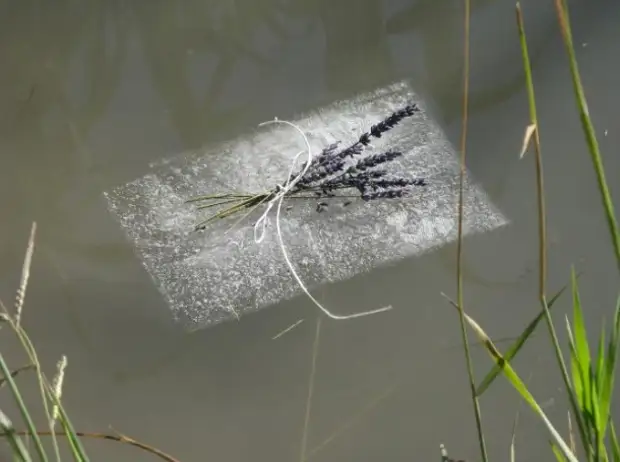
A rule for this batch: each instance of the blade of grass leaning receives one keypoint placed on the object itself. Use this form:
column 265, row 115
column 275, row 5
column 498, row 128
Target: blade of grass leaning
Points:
column 579, row 327
column 32, row 355
column 599, row 445
column 587, row 126
column 77, row 449
column 44, row 386
column 542, row 226
column 601, row 370
column 459, row 245
column 46, row 390
column 579, row 387
column 519, row 386
column 557, row 452
column 18, row 448
column 607, row 384
column 19, row 331
column 516, row 346
column 571, row 433
column 513, row 437
column 581, row 347
column 23, row 410
column 615, row 446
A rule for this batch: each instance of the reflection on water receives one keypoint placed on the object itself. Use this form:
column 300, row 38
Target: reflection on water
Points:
column 93, row 91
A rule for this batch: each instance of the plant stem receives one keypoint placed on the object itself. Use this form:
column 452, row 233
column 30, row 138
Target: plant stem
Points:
column 588, row 127
column 118, row 439
column 459, row 252
column 22, row 407
column 542, row 225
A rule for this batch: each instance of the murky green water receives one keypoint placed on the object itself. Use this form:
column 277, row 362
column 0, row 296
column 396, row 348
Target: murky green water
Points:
column 91, row 92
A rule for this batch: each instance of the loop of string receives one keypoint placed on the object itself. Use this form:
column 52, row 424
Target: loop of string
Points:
column 260, row 228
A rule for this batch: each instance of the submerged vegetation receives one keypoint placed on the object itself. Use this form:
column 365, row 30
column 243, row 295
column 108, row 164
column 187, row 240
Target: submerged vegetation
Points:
column 588, row 377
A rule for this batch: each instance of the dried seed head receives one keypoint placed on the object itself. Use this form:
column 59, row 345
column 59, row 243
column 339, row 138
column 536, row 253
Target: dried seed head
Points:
column 389, row 194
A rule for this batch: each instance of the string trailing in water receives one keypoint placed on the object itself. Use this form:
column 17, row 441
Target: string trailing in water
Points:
column 329, row 177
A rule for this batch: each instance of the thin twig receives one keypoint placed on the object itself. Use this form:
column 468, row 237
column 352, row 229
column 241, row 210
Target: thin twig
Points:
column 288, row 329
column 16, row 372
column 119, row 439
column 355, row 419
column 315, row 354
column 459, row 257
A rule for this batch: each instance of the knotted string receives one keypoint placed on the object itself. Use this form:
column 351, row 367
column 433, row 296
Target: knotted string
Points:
column 260, row 228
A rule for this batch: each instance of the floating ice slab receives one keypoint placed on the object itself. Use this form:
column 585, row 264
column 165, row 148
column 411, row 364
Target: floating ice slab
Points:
column 219, row 274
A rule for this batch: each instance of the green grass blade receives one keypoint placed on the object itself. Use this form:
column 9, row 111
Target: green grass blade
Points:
column 557, row 452
column 601, row 365
column 518, row 384
column 607, row 384
column 595, row 417
column 581, row 348
column 79, row 454
column 542, row 220
column 516, row 346
column 23, row 410
column 615, row 446
column 17, row 445
column 579, row 327
column 588, row 127
column 460, row 232
column 600, row 378
column 578, row 379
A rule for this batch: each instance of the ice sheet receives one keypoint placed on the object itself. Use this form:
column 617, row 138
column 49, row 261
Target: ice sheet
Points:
column 213, row 276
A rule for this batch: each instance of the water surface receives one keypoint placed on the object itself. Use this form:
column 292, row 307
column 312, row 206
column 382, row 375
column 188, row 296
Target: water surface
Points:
column 92, row 92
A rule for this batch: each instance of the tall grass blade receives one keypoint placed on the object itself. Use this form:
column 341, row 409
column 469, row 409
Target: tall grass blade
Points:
column 581, row 349
column 23, row 410
column 513, row 437
column 459, row 243
column 517, row 383
column 19, row 450
column 77, row 450
column 578, row 379
column 588, row 127
column 557, row 452
column 571, row 434
column 542, row 223
column 581, row 337
column 600, row 371
column 615, row 446
column 578, row 392
column 599, row 446
column 516, row 346
column 607, row 385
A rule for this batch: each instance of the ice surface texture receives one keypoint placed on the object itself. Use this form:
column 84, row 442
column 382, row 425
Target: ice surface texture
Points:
column 212, row 276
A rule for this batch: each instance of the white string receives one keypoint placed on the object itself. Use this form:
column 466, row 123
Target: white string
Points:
column 261, row 223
